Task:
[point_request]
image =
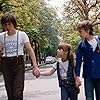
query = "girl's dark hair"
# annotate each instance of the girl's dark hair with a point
(86, 25)
(8, 17)
(67, 47)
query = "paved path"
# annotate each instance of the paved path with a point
(43, 88)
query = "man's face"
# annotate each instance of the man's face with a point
(83, 34)
(9, 27)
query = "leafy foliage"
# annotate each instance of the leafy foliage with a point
(37, 20)
(76, 11)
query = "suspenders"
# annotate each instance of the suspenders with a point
(5, 45)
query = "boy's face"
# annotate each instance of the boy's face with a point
(83, 34)
(9, 27)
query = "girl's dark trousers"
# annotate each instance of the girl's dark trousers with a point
(69, 92)
(13, 72)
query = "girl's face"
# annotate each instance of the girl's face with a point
(61, 53)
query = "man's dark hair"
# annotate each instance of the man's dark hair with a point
(86, 25)
(8, 17)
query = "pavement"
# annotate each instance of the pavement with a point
(43, 88)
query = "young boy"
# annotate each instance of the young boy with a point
(88, 52)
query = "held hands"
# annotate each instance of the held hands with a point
(78, 83)
(36, 72)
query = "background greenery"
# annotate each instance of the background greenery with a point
(45, 28)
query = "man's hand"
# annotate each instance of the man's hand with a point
(36, 72)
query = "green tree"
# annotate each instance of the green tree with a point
(38, 20)
(76, 11)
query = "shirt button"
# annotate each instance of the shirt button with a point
(92, 60)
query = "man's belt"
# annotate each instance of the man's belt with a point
(13, 58)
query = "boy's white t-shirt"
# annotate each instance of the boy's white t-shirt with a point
(93, 43)
(65, 64)
(11, 43)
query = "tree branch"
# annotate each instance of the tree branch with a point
(96, 23)
(78, 8)
(96, 17)
(93, 5)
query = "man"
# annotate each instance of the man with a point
(88, 52)
(13, 68)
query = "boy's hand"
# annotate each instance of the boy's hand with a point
(78, 90)
(78, 82)
(36, 72)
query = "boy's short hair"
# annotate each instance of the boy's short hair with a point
(8, 17)
(86, 25)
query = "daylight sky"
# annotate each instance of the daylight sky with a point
(57, 4)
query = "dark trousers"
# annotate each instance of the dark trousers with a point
(13, 71)
(90, 86)
(69, 93)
